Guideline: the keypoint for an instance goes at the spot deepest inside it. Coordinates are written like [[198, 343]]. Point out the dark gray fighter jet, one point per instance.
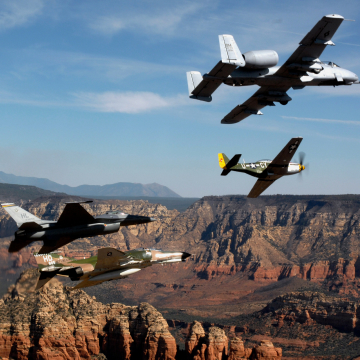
[[74, 223]]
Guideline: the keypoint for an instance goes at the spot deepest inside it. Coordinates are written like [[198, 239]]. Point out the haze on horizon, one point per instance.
[[96, 94]]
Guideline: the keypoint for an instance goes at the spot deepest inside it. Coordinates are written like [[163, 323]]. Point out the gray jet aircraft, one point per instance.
[[303, 68], [74, 223]]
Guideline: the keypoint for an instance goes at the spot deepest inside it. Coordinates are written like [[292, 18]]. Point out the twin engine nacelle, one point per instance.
[[261, 59]]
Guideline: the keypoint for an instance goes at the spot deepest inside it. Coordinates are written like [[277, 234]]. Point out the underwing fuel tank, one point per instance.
[[111, 275]]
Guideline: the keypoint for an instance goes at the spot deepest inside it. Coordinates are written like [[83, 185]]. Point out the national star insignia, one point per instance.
[[292, 147]]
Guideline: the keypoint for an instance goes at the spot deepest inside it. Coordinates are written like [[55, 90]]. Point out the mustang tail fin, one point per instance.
[[227, 164], [20, 215]]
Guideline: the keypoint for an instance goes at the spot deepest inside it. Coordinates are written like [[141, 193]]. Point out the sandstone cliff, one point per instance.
[[240, 244], [55, 323]]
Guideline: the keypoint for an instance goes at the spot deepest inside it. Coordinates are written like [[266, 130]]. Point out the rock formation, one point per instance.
[[252, 243], [56, 323], [311, 308], [213, 345]]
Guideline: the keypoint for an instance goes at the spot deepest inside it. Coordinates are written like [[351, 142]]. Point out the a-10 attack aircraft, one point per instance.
[[109, 264], [266, 171], [303, 68], [74, 223]]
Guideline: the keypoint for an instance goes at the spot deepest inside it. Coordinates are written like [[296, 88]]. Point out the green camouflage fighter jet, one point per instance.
[[109, 264], [266, 171]]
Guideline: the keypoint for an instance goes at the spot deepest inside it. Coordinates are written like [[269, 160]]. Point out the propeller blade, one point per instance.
[[301, 157]]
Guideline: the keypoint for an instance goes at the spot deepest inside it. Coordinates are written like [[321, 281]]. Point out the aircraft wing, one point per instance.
[[74, 214], [50, 246], [260, 186], [286, 154], [46, 276], [108, 258], [87, 283], [312, 45], [254, 104]]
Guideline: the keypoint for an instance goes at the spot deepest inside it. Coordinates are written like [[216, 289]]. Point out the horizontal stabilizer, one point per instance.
[[230, 53], [225, 172], [210, 82], [227, 164], [234, 161], [46, 276], [17, 245], [30, 226]]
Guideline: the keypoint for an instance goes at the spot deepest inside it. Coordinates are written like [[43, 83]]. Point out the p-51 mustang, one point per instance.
[[109, 264], [74, 223], [303, 68], [266, 171]]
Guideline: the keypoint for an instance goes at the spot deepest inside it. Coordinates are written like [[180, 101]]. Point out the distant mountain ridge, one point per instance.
[[118, 189]]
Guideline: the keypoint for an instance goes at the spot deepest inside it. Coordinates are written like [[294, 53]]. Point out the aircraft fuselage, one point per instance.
[[259, 170], [330, 75]]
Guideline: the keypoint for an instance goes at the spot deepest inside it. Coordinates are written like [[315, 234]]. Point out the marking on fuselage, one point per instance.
[[109, 253]]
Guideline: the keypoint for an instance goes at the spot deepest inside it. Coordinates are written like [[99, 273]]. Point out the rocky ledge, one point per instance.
[[56, 323], [315, 308]]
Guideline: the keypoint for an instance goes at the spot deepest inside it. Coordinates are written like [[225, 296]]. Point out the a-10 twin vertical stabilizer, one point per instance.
[[267, 171], [74, 223], [109, 264]]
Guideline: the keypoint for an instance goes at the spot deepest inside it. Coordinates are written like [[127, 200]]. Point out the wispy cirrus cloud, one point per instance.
[[162, 20], [19, 12], [126, 102], [129, 102], [329, 121]]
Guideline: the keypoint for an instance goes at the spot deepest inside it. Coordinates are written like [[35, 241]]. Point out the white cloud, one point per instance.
[[125, 102], [330, 121], [19, 12], [158, 20]]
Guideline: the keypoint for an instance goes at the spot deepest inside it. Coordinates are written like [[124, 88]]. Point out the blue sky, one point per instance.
[[95, 93]]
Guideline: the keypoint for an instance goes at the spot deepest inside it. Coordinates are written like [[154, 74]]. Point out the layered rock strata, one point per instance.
[[54, 323], [214, 345], [315, 308]]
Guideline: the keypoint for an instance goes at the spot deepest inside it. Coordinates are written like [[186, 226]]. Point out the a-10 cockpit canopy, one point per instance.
[[115, 213], [330, 63]]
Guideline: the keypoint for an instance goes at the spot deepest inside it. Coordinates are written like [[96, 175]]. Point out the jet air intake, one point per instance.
[[261, 59]]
